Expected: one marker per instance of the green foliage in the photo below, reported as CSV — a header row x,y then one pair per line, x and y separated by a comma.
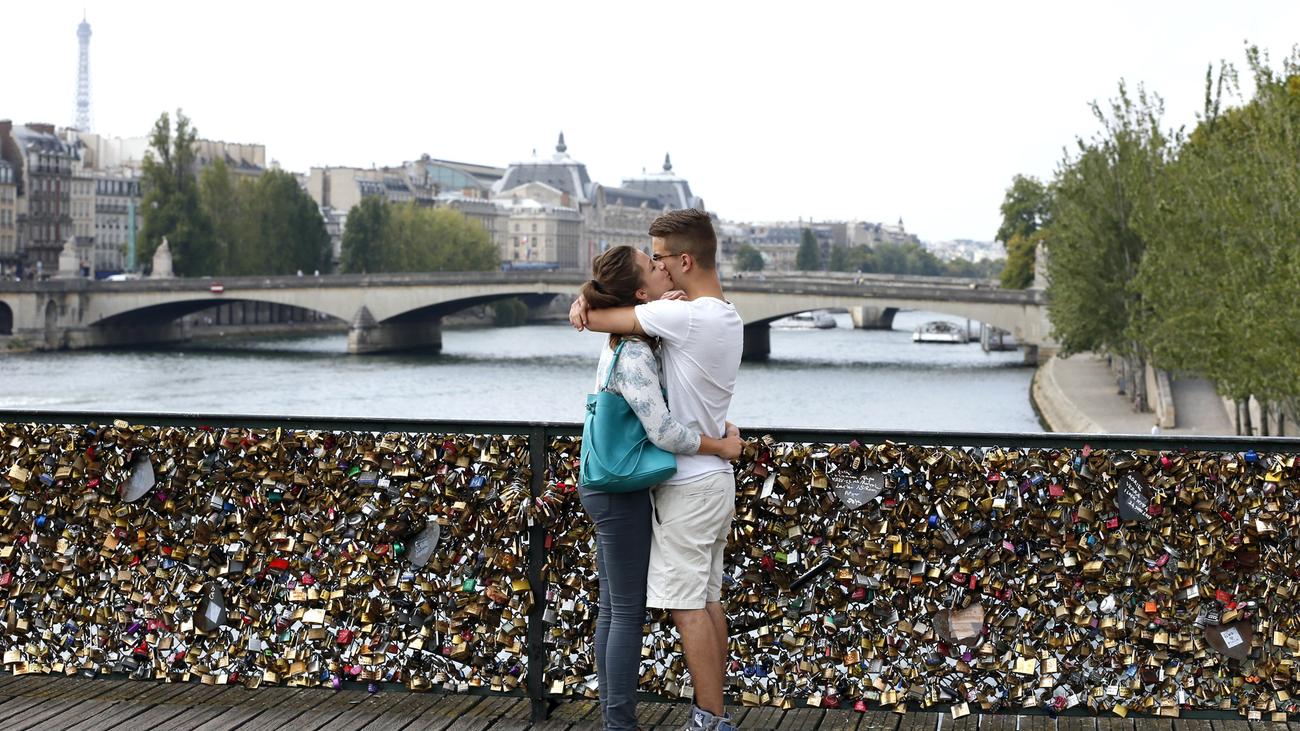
x,y
362,236
1025,208
1221,279
263,226
1095,250
384,237
748,259
1021,256
171,204
809,256
1182,247
287,233
222,206
509,313
216,223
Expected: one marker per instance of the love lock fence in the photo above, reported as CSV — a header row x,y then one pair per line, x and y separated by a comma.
x,y
866,569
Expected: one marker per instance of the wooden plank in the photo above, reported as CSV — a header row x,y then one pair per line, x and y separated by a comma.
x,y
1115,723
838,720
118,713
997,722
879,721
1153,724
1036,722
801,719
213,705
403,712
70,699
515,716
568,714
1199,724
649,715
918,721
286,712
36,690
434,712
357,712
247,709
106,712
1229,725
7,680
738,714
969,722
1268,726
398,714
156,717
765,717
678,715
482,715
1079,723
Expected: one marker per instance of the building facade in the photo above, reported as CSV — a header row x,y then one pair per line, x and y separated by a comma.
x,y
610,215
43,165
8,220
544,228
117,206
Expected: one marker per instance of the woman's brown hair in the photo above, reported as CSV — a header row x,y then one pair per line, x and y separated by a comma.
x,y
615,278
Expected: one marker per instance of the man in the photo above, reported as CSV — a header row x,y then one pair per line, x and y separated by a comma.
x,y
702,338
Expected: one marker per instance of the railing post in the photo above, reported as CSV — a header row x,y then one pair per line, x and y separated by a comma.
x,y
537,448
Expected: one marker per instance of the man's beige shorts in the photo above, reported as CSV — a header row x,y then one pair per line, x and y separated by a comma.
x,y
690,525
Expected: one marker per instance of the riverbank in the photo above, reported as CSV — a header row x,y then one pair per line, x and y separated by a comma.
x,y
1079,394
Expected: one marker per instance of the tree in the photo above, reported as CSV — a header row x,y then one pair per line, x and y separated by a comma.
x,y
263,226
1219,279
383,237
171,201
1095,248
809,256
223,206
748,259
287,232
1021,258
1026,208
363,249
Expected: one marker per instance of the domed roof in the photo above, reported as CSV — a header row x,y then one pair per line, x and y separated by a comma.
x,y
670,189
560,172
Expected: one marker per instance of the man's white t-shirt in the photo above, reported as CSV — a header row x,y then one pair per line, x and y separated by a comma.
x,y
702,341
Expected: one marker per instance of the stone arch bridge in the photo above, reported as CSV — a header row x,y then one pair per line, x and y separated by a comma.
x,y
404,311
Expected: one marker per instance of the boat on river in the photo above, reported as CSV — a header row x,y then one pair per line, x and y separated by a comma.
x,y
939,331
817,319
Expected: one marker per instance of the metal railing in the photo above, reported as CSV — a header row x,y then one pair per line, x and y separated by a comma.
x,y
955,457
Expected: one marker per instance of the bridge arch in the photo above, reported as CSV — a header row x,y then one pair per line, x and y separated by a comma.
x,y
168,312
6,319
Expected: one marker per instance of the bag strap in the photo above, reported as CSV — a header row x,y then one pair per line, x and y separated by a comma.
x,y
613,363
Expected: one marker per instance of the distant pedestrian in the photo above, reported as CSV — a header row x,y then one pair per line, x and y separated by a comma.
x,y
1155,429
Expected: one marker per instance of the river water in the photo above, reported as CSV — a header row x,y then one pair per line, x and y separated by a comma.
x,y
841,378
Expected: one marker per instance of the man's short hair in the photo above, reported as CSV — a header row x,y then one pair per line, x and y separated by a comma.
x,y
689,231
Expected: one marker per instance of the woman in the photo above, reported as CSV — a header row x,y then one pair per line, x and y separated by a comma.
x,y
623,277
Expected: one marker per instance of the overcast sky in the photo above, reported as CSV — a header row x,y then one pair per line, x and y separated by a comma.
x,y
836,110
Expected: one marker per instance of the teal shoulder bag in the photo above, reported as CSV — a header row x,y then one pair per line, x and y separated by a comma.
x,y
617,456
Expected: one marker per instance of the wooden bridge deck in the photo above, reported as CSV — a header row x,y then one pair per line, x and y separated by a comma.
x,y
63,703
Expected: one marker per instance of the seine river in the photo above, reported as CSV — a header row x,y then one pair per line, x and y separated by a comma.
x,y
840,378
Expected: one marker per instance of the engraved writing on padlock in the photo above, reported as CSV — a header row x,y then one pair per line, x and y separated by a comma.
x,y
856,490
422,547
1133,497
